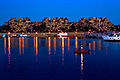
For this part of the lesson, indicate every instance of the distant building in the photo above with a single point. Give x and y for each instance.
(57, 24)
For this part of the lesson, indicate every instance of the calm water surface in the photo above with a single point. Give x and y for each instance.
(53, 59)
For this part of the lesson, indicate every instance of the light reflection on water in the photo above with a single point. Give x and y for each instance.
(58, 55)
(20, 46)
(82, 63)
(54, 45)
(49, 45)
(23, 45)
(68, 44)
(9, 53)
(5, 45)
(36, 46)
(62, 51)
(89, 46)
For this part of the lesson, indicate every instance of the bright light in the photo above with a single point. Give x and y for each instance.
(9, 33)
(36, 33)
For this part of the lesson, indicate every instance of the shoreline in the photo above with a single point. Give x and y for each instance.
(82, 35)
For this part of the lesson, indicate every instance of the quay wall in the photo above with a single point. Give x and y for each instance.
(79, 35)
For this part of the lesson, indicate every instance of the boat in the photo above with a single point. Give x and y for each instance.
(4, 35)
(61, 35)
(112, 37)
(14, 35)
(23, 35)
(82, 51)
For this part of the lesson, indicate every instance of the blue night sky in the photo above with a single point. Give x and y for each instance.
(36, 10)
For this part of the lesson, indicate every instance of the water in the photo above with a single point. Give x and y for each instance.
(53, 59)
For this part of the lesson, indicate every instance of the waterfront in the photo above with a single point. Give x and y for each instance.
(53, 59)
(81, 35)
(44, 35)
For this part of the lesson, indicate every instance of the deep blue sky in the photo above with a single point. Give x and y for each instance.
(36, 10)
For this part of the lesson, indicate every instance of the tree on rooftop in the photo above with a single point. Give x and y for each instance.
(5, 28)
(37, 28)
(117, 27)
(73, 27)
(42, 27)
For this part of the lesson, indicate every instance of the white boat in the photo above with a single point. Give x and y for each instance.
(5, 35)
(23, 35)
(113, 37)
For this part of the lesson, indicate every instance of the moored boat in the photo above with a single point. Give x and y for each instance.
(14, 35)
(23, 35)
(112, 37)
(63, 35)
(4, 35)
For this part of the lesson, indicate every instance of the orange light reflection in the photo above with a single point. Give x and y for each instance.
(54, 45)
(23, 44)
(9, 50)
(36, 46)
(5, 45)
(76, 43)
(20, 46)
(34, 42)
(94, 45)
(49, 45)
(90, 46)
(62, 51)
(68, 43)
